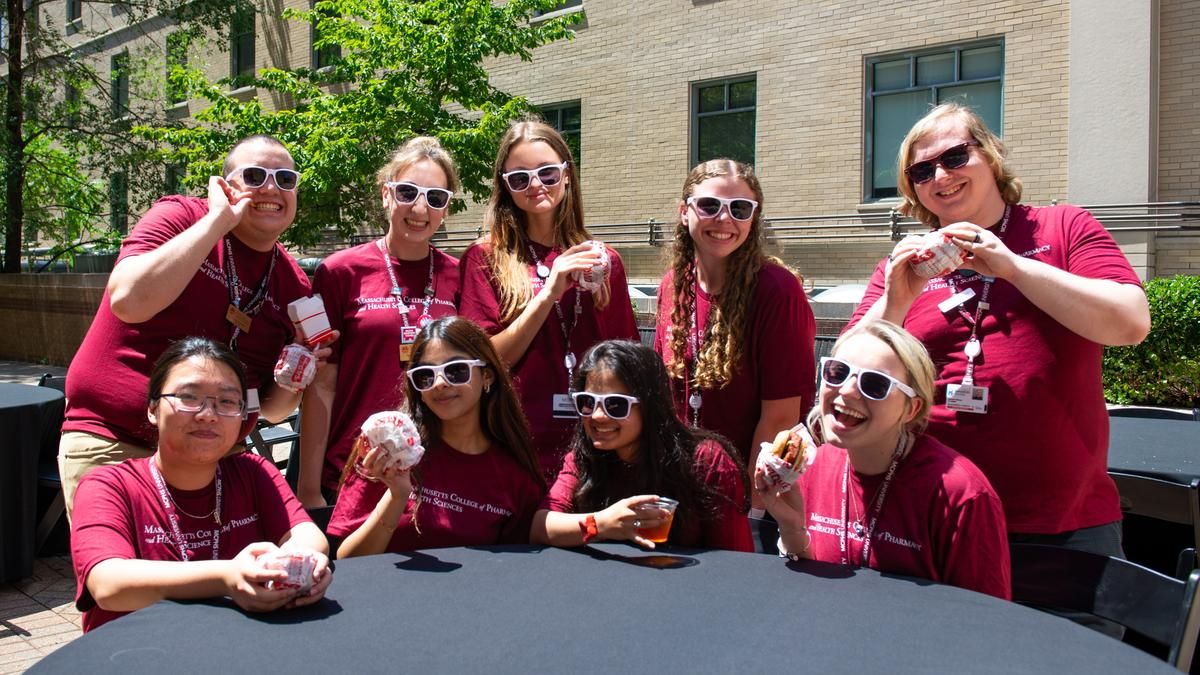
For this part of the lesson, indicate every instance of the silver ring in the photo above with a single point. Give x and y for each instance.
(978, 239)
(637, 523)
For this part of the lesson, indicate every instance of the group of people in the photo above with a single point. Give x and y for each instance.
(545, 420)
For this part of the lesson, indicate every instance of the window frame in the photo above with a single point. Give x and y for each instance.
(245, 18)
(557, 110)
(118, 75)
(118, 202)
(694, 114)
(320, 58)
(565, 7)
(175, 98)
(74, 16)
(912, 55)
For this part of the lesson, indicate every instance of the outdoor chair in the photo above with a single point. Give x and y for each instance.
(47, 475)
(1161, 608)
(267, 435)
(1167, 501)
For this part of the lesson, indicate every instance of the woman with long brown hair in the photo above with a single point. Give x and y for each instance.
(479, 481)
(734, 325)
(520, 282)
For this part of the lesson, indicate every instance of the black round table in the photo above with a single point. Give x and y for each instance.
(30, 421)
(609, 608)
(1155, 448)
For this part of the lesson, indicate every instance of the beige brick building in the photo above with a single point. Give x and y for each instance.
(1098, 101)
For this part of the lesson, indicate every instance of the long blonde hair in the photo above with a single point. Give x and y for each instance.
(989, 143)
(506, 224)
(723, 342)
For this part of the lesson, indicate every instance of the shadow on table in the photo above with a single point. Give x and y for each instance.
(323, 609)
(424, 562)
(824, 570)
(653, 560)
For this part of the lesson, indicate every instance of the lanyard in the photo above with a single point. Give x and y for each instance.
(876, 505)
(568, 360)
(234, 286)
(974, 346)
(398, 292)
(695, 399)
(168, 504)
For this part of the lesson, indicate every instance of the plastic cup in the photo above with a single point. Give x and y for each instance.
(658, 534)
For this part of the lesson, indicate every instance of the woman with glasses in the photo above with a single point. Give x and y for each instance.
(629, 450)
(734, 326)
(881, 493)
(478, 482)
(191, 501)
(519, 281)
(1018, 332)
(378, 295)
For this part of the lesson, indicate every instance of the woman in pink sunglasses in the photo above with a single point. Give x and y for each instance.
(734, 326)
(537, 286)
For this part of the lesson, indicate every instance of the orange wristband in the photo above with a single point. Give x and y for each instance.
(588, 528)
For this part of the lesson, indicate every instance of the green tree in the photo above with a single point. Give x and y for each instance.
(400, 68)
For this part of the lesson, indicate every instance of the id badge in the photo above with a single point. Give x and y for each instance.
(408, 335)
(563, 407)
(252, 400)
(967, 398)
(238, 318)
(956, 300)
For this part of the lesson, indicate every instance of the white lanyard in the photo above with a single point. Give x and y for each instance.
(398, 292)
(542, 273)
(168, 503)
(876, 506)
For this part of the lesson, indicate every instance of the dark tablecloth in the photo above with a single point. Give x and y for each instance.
(30, 422)
(604, 609)
(1164, 449)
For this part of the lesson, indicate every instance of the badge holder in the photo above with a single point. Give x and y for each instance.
(966, 397)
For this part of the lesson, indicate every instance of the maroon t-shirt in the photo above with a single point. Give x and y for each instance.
(725, 528)
(940, 520)
(540, 373)
(356, 289)
(466, 500)
(108, 378)
(777, 356)
(1044, 440)
(118, 515)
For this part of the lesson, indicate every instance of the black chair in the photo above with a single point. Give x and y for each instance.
(1154, 605)
(48, 477)
(1156, 413)
(823, 345)
(267, 435)
(1167, 501)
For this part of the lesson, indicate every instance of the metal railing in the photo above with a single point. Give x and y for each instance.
(874, 226)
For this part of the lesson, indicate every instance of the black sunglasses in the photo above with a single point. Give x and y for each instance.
(407, 193)
(256, 177)
(616, 406)
(953, 158)
(872, 383)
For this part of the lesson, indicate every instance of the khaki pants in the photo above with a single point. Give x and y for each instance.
(80, 452)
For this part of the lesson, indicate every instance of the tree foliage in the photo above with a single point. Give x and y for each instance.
(404, 68)
(1164, 370)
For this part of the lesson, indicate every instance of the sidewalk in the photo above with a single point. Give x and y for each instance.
(37, 614)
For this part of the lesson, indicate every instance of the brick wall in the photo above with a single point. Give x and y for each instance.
(1179, 106)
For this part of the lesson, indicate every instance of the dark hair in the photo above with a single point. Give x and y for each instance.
(666, 450)
(192, 347)
(227, 165)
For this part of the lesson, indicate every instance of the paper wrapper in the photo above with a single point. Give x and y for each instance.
(298, 565)
(397, 435)
(937, 256)
(593, 279)
(309, 317)
(295, 368)
(779, 474)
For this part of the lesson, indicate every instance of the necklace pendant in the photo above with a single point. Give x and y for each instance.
(858, 529)
(569, 361)
(695, 400)
(543, 272)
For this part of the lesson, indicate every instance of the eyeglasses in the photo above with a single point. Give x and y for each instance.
(872, 383)
(191, 403)
(256, 177)
(456, 373)
(616, 406)
(407, 193)
(710, 207)
(953, 158)
(520, 179)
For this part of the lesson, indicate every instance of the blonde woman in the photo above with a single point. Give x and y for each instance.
(734, 326)
(881, 493)
(379, 295)
(518, 282)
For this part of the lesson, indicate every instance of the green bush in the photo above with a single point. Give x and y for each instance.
(1164, 370)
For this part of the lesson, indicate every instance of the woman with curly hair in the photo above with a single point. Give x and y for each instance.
(629, 450)
(734, 327)
(520, 281)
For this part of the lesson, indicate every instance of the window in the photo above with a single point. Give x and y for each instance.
(119, 79)
(241, 43)
(324, 56)
(118, 202)
(173, 180)
(71, 99)
(74, 13)
(567, 119)
(565, 4)
(177, 46)
(901, 89)
(723, 119)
